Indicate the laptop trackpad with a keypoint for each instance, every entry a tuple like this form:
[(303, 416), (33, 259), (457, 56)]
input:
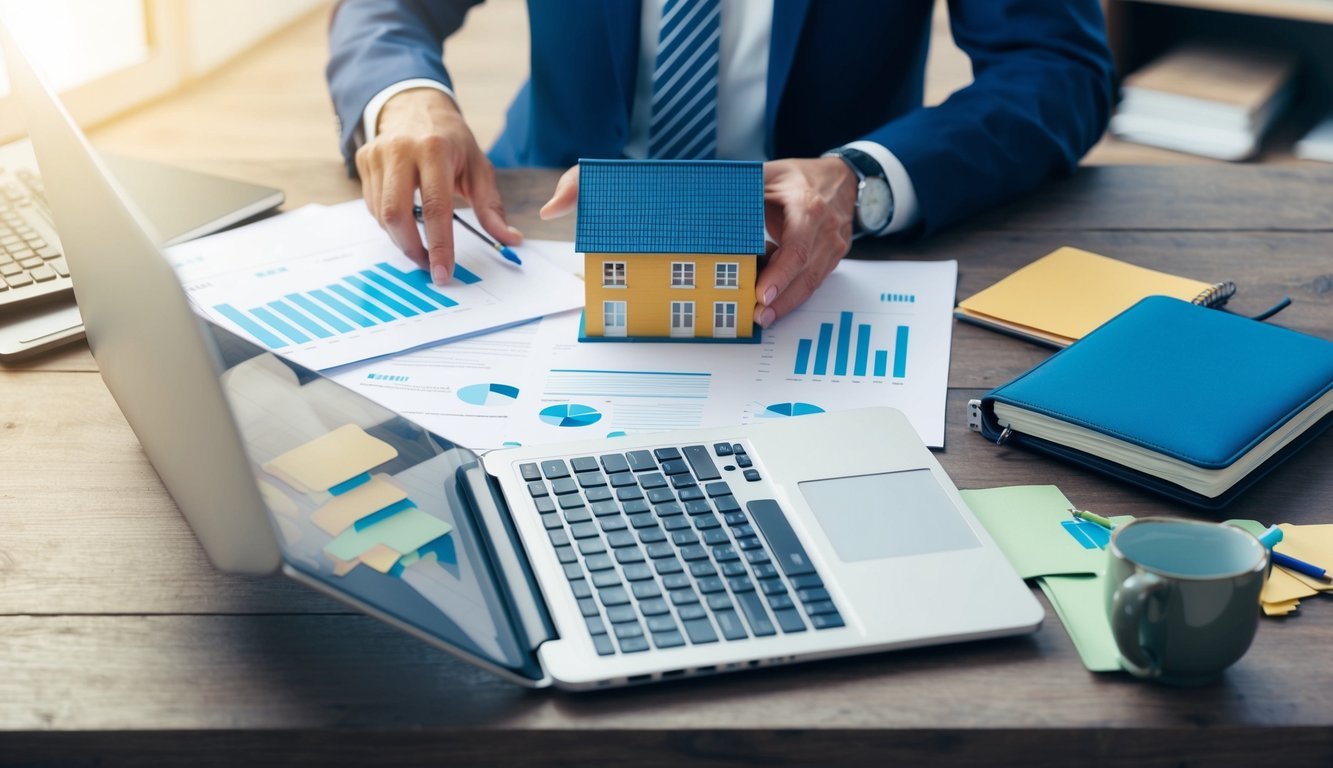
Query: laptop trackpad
[(897, 513)]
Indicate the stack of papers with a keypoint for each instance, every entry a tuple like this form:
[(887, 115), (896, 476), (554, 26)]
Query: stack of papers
[(1285, 588), (1209, 100)]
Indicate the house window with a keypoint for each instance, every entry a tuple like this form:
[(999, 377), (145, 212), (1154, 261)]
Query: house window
[(682, 274), (613, 274), (727, 275), (724, 319), (613, 318), (682, 318)]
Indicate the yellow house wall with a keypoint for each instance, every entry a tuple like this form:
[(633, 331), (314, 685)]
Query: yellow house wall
[(648, 292)]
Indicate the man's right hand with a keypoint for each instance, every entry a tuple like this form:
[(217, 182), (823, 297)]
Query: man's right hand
[(423, 143)]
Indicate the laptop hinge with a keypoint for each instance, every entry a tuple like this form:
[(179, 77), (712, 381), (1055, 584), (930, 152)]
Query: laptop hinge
[(513, 571)]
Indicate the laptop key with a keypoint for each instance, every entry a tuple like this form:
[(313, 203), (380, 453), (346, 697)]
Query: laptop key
[(672, 639), (652, 535), (765, 571), (780, 602), (655, 606), (637, 572), (621, 614), (584, 530), (743, 461), (755, 614), (552, 522), (581, 588), (731, 625), (584, 464), (669, 509), (675, 581), (645, 590), (537, 489), (629, 493), (588, 607), (633, 645), (530, 471), (806, 581), (698, 507), (604, 507), (641, 461), (644, 520), (621, 479), (666, 454), (603, 645), (693, 552), (592, 479), (718, 601), (662, 623), (726, 553), (741, 584), (683, 596), (682, 482), (599, 562), (733, 569), (667, 566), (826, 621), (717, 489), (613, 596), (616, 539), (629, 556), (675, 467), (604, 579), (691, 493), (614, 462), (592, 546), (571, 501), (684, 538), (661, 495), (819, 607), (691, 612), (748, 543), (676, 523), (722, 449), (811, 595), (736, 518), (711, 584), (650, 480), (789, 620), (700, 631), (704, 522), (756, 557), (636, 506), (610, 524), (566, 555), (564, 485), (577, 515), (558, 537), (661, 549), (573, 571), (544, 504), (701, 462), (702, 569), (781, 538), (554, 468), (726, 504), (601, 493), (715, 537), (752, 475)]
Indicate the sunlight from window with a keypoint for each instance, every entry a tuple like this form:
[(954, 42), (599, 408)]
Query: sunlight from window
[(77, 41)]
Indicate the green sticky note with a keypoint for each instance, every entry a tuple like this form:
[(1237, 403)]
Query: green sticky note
[(403, 532), (1081, 606), (1026, 521)]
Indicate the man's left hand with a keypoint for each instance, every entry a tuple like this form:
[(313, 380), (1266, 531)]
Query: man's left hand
[(808, 208)]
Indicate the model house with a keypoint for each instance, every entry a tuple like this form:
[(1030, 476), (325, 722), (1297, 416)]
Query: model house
[(670, 249)]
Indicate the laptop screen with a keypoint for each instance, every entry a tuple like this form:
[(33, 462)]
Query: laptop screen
[(366, 503)]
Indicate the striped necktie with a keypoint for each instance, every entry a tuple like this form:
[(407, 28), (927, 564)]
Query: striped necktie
[(684, 113)]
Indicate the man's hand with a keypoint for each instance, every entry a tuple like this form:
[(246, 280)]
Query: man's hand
[(421, 142), (808, 209)]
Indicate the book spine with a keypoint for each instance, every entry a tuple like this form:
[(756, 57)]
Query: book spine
[(1215, 295)]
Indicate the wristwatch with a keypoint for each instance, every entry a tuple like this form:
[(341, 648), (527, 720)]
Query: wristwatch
[(874, 196)]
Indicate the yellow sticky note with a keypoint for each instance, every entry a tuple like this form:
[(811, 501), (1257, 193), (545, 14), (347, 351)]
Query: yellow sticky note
[(1280, 609), (366, 499), (342, 567), (331, 459), (1282, 587), (380, 557), (1311, 543)]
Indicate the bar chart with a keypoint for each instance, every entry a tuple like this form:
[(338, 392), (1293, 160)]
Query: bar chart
[(325, 287), (363, 300), (847, 349)]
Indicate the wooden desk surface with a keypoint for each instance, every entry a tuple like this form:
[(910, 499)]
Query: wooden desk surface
[(119, 641)]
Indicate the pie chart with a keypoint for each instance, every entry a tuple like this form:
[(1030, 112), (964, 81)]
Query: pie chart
[(570, 415), (488, 394), (791, 409)]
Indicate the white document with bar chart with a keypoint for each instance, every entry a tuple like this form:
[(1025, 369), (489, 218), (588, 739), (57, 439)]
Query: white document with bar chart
[(326, 287), (876, 333)]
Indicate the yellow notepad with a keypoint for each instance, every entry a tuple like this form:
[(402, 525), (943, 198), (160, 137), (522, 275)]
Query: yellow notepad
[(1062, 296)]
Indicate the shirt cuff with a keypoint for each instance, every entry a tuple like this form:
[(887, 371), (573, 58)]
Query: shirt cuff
[(906, 211), (371, 116)]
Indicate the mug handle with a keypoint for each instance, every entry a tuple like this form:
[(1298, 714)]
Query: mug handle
[(1127, 607)]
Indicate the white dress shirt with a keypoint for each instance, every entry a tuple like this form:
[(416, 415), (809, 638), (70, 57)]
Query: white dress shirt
[(742, 93)]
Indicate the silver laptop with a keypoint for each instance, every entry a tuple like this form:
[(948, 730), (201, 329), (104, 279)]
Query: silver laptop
[(37, 309), (582, 565)]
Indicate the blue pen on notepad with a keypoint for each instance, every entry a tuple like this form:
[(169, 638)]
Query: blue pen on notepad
[(504, 250), (1272, 536)]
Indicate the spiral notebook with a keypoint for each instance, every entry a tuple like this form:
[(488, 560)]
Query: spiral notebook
[(1059, 298)]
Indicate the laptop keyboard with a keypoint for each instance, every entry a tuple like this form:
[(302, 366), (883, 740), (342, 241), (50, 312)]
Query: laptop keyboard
[(29, 265), (660, 554)]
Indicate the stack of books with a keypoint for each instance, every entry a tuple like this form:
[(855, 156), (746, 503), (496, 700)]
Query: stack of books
[(1206, 99), (1318, 143)]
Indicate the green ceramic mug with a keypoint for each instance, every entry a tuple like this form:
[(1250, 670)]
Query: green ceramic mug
[(1183, 597)]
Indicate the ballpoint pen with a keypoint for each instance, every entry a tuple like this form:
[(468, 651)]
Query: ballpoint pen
[(1083, 514), (504, 250), (1271, 537)]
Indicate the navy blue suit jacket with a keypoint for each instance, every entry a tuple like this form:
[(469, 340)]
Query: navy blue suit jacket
[(839, 70)]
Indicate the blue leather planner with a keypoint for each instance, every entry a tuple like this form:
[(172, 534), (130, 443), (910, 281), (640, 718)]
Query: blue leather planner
[(1184, 400)]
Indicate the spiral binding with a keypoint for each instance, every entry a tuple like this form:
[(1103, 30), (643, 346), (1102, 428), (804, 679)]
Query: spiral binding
[(1215, 295)]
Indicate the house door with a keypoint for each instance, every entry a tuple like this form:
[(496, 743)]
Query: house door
[(682, 319)]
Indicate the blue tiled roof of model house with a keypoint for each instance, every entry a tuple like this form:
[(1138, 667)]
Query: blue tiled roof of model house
[(670, 206)]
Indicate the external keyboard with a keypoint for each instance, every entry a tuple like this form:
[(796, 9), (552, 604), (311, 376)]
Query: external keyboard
[(31, 266), (660, 554)]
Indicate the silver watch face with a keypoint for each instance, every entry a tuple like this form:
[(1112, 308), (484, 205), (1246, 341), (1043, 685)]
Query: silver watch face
[(873, 204)]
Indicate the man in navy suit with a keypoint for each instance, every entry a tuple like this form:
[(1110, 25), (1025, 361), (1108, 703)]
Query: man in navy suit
[(829, 93)]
